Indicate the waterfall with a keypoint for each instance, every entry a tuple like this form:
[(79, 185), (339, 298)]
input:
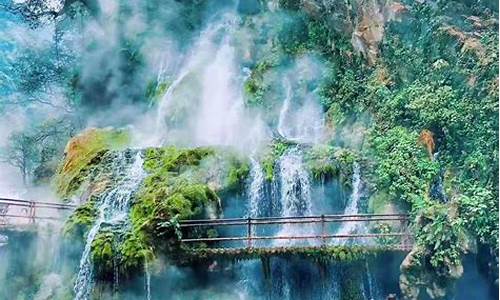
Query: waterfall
[(220, 105), (373, 290), (256, 188), (285, 108), (210, 84), (295, 191), (302, 123), (295, 185), (113, 208), (250, 270), (161, 126), (147, 280), (352, 207)]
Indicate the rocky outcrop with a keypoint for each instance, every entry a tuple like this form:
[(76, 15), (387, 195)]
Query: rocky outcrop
[(82, 151), (415, 277), (370, 26)]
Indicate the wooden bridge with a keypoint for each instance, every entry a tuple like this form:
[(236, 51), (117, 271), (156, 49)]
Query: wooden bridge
[(248, 237), (17, 213), (322, 234)]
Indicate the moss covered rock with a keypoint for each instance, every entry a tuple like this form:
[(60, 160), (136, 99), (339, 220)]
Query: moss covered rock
[(85, 150), (326, 162)]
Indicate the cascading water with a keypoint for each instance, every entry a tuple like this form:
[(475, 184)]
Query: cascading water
[(372, 288), (295, 192), (256, 188), (209, 85), (113, 208), (161, 126), (295, 185), (147, 280), (302, 123), (352, 207), (285, 108)]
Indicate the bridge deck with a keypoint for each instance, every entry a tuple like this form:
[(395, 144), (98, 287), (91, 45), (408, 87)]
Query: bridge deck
[(339, 253)]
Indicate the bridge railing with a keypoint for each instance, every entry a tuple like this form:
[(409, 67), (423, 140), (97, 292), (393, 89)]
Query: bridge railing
[(14, 212), (316, 230)]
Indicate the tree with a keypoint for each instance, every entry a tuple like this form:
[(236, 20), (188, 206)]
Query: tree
[(36, 146)]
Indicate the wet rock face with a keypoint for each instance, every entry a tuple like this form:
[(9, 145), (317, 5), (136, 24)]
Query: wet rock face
[(369, 30), (415, 277), (363, 20)]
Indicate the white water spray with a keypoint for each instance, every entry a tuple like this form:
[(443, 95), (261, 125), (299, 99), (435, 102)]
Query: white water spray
[(256, 188), (302, 123), (352, 207), (204, 105), (147, 280), (295, 192), (285, 108), (112, 209)]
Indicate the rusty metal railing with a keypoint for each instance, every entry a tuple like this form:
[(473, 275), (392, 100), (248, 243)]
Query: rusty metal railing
[(18, 209), (321, 236)]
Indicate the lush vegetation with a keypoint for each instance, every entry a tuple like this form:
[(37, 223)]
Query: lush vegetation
[(409, 91), (432, 121)]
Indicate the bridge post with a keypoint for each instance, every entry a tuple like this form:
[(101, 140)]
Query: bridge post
[(406, 243), (32, 212), (249, 232), (323, 231)]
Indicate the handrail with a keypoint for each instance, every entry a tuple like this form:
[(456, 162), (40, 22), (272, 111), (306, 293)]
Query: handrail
[(322, 236), (297, 217), (295, 220), (22, 202), (296, 237), (27, 210)]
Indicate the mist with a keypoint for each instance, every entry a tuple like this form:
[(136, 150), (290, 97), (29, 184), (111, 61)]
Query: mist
[(311, 108)]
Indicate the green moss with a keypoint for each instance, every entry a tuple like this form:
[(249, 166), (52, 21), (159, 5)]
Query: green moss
[(162, 161), (187, 200), (166, 194), (327, 162), (274, 152), (343, 254), (103, 253), (134, 252), (81, 219), (237, 175), (84, 151)]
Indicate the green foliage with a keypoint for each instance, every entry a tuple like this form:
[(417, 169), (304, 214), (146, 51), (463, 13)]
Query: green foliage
[(164, 197), (326, 162), (403, 168), (155, 90), (344, 254), (276, 149), (134, 251), (171, 159), (256, 86), (442, 235), (385, 228), (81, 219), (477, 209), (103, 253), (237, 175)]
